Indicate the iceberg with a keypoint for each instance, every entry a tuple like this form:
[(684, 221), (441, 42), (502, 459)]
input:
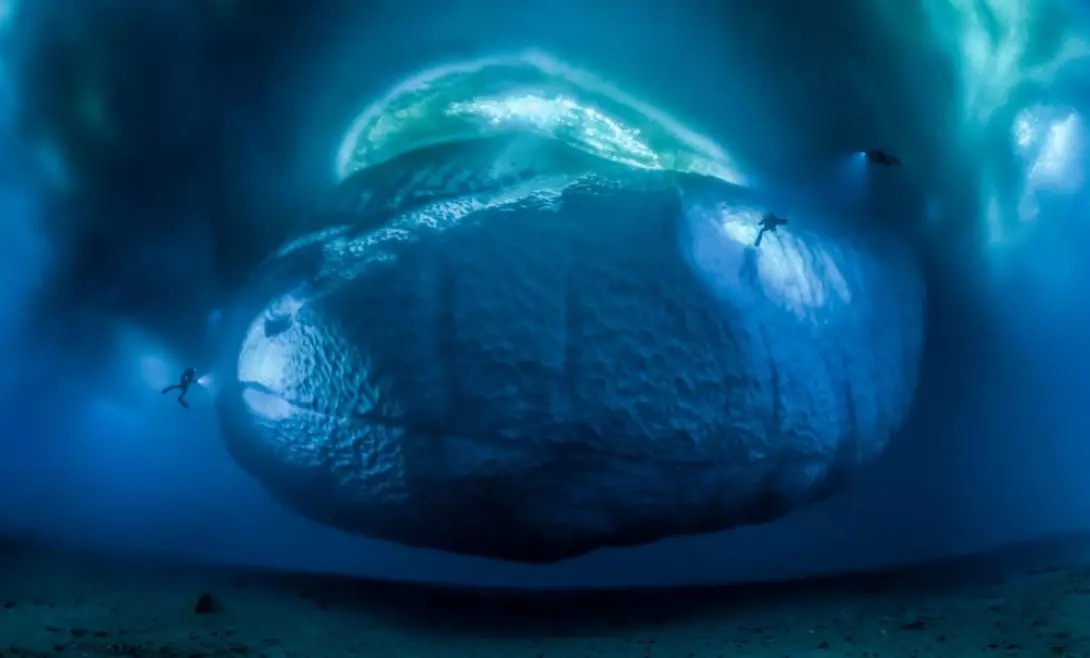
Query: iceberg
[(508, 345)]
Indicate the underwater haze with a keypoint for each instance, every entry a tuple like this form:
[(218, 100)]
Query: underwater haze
[(158, 152)]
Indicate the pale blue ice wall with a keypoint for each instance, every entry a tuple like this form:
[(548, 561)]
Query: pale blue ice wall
[(995, 454)]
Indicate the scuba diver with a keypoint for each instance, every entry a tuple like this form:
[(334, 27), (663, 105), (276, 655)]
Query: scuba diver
[(769, 222), (882, 158), (189, 375)]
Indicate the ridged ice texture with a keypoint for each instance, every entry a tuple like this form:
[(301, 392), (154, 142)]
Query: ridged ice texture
[(607, 362)]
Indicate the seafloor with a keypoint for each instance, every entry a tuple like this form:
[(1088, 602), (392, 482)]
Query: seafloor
[(1031, 600)]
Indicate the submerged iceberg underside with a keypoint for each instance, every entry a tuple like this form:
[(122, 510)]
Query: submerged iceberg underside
[(531, 366)]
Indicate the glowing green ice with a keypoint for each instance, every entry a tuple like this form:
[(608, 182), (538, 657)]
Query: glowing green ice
[(533, 93)]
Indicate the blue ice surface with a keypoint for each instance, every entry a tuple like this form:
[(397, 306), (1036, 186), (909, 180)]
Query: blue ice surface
[(559, 365)]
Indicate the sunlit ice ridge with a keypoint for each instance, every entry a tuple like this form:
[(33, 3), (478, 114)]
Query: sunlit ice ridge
[(536, 320), (530, 92)]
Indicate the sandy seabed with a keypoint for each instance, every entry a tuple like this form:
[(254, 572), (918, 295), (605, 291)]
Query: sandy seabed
[(1027, 601)]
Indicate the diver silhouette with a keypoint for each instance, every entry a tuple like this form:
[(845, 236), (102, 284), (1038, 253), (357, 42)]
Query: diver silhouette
[(189, 375), (769, 222)]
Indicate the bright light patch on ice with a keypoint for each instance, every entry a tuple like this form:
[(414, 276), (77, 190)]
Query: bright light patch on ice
[(800, 277), (742, 226), (535, 92), (1051, 142), (266, 405), (561, 115), (264, 360), (268, 360)]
